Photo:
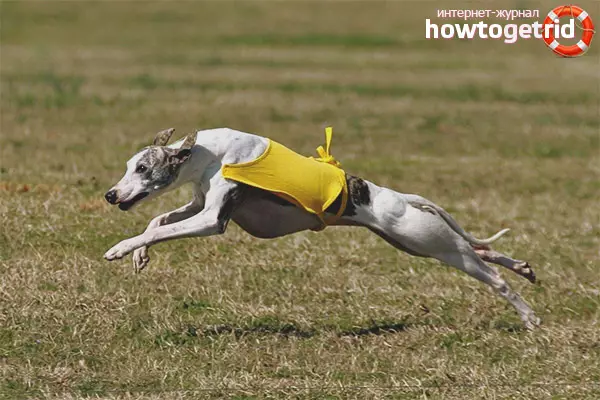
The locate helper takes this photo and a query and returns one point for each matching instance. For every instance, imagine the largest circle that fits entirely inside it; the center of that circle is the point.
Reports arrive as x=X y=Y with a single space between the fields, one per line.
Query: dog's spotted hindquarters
x=408 y=222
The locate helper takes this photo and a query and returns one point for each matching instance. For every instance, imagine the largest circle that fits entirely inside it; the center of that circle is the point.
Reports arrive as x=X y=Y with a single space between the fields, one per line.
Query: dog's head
x=151 y=171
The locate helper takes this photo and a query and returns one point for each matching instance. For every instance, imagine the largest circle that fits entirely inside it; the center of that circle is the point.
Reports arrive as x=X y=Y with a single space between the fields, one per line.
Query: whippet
x=408 y=222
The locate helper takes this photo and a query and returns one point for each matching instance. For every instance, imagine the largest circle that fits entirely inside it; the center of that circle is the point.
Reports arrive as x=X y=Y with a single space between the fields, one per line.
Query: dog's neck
x=215 y=147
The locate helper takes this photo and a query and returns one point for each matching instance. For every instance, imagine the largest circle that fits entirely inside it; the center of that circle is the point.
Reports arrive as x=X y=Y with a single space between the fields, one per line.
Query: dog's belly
x=264 y=215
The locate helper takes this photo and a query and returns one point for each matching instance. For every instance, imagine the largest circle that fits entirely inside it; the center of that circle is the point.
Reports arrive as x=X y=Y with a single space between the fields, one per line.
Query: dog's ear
x=182 y=154
x=162 y=137
x=189 y=142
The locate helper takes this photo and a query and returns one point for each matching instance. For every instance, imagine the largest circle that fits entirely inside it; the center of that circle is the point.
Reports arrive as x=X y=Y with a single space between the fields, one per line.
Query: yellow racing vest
x=310 y=183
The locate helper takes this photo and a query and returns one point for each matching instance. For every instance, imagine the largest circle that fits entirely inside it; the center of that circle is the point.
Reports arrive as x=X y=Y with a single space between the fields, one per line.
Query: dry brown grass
x=499 y=135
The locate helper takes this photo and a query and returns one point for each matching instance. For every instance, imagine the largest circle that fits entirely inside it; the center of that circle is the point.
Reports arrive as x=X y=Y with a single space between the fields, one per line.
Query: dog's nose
x=111 y=196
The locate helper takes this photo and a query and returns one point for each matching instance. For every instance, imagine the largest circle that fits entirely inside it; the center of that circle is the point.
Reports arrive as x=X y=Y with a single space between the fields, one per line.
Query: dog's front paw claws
x=117 y=252
x=140 y=259
x=112 y=255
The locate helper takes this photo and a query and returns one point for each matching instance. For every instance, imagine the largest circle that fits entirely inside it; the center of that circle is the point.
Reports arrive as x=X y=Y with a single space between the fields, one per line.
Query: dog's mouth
x=126 y=205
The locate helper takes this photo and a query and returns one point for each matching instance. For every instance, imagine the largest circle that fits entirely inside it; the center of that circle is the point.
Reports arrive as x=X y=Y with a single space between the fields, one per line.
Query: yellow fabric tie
x=326 y=157
x=324 y=154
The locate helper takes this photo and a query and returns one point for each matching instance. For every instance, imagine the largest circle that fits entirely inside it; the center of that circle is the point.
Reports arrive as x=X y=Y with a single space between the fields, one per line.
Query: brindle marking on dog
x=161 y=170
x=358 y=194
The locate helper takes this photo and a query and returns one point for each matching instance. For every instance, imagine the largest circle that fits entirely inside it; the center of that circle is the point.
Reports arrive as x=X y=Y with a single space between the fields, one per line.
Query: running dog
x=408 y=222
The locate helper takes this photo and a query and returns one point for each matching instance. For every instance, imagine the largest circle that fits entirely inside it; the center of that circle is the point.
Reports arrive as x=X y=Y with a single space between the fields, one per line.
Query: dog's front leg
x=203 y=224
x=220 y=201
x=140 y=256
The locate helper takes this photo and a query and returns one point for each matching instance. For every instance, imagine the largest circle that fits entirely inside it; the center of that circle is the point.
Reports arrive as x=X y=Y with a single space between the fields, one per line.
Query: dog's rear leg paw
x=524 y=269
x=140 y=259
x=531 y=321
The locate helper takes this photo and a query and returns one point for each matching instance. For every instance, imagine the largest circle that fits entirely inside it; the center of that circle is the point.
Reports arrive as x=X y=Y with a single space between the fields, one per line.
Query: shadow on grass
x=509 y=327
x=288 y=330
x=291 y=330
x=376 y=329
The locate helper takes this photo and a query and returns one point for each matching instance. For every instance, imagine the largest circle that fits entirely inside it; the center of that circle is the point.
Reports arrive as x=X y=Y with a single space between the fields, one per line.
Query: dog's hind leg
x=517 y=266
x=468 y=261
x=423 y=232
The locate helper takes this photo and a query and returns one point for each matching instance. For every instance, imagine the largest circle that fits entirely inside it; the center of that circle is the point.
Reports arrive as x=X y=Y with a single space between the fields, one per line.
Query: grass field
x=500 y=135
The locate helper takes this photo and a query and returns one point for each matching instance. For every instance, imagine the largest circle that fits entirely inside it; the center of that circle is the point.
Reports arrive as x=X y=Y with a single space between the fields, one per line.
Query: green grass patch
x=490 y=132
x=312 y=40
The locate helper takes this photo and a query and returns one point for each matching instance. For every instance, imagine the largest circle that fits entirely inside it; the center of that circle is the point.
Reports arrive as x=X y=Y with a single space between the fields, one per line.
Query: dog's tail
x=456 y=228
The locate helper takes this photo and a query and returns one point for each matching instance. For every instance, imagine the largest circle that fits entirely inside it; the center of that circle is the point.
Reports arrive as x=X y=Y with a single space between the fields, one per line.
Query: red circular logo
x=588 y=31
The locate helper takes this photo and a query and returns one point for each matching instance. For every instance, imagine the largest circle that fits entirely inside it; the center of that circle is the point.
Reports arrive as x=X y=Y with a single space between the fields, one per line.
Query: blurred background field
x=500 y=135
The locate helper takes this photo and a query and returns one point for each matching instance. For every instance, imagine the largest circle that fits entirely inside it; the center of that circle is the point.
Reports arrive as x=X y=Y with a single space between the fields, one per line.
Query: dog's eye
x=141 y=169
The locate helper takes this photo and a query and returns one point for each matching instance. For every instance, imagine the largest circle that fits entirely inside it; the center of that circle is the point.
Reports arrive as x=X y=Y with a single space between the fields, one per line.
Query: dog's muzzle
x=126 y=205
x=111 y=196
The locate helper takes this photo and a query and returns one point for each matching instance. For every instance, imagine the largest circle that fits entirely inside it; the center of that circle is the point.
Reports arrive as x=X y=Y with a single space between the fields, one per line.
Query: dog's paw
x=140 y=259
x=531 y=321
x=118 y=251
x=523 y=268
x=113 y=254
